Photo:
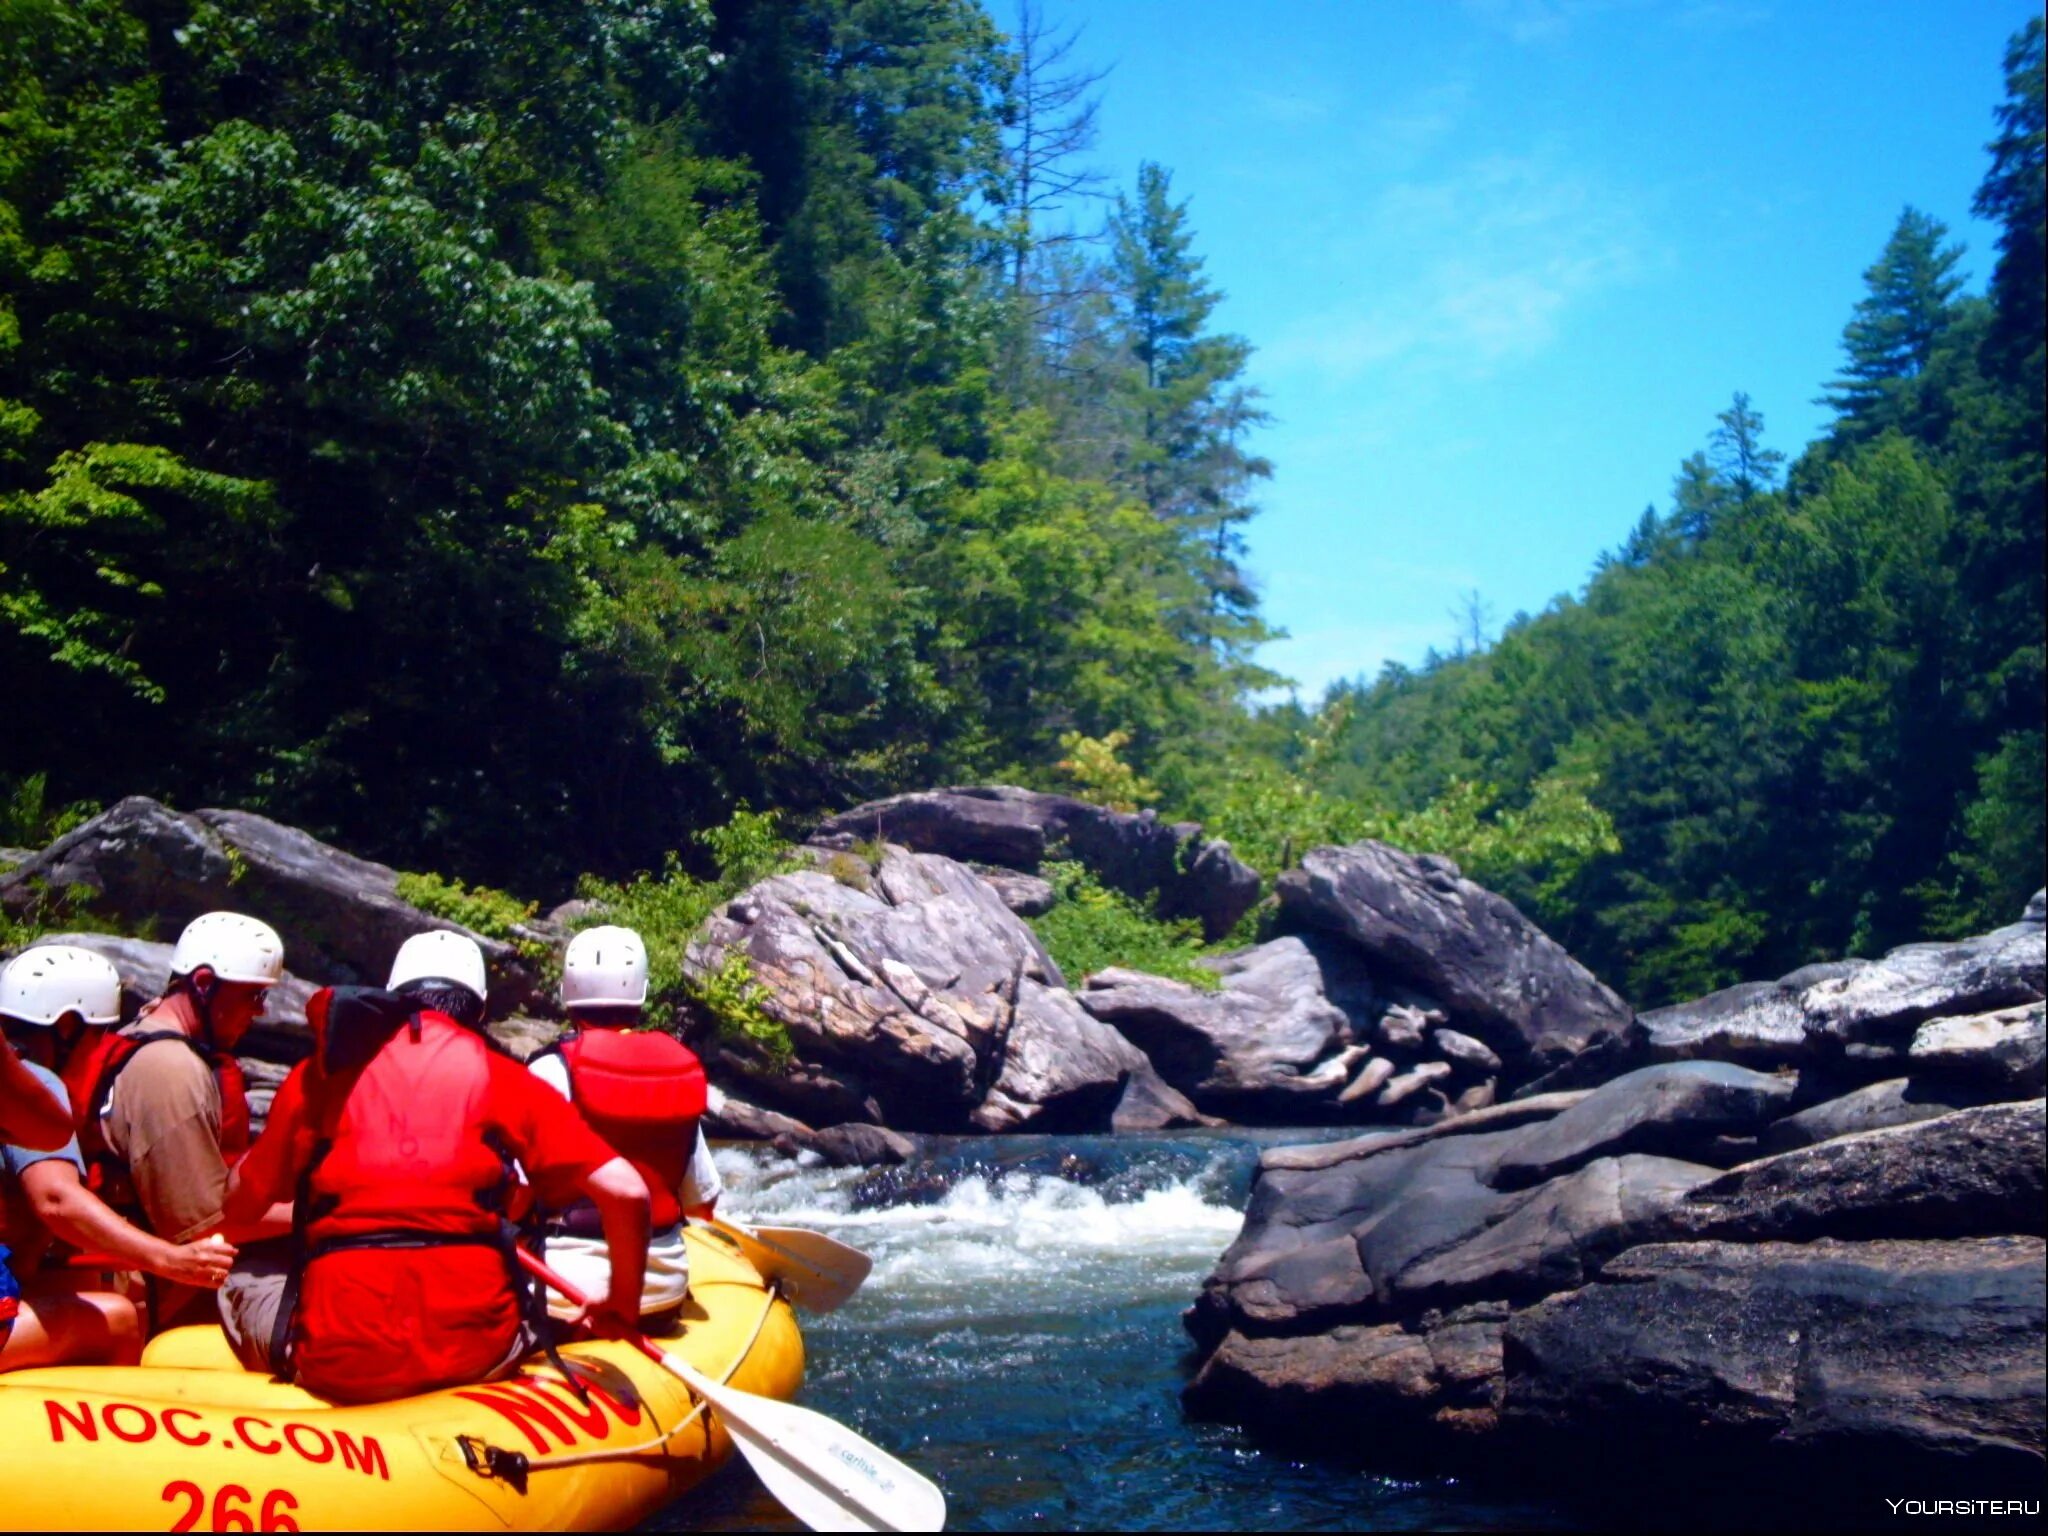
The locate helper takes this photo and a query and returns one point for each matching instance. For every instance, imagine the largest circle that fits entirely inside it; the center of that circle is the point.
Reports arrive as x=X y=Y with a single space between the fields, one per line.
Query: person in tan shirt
x=170 y=1111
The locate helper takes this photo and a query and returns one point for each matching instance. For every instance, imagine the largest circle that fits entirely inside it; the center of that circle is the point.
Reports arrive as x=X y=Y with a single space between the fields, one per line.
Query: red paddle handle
x=575 y=1297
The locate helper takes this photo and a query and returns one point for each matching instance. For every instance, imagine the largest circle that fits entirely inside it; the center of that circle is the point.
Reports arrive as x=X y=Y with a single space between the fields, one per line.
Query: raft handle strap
x=490 y=1461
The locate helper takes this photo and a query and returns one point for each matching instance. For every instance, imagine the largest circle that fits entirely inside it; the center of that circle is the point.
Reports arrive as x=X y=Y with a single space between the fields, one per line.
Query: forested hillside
x=506 y=436
x=506 y=439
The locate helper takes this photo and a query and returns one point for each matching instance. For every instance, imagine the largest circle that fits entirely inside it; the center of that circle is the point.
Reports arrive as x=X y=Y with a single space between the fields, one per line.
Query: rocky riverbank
x=1795 y=1226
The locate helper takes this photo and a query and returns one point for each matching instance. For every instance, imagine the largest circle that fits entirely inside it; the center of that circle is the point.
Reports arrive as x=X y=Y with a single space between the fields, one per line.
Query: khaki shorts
x=254 y=1291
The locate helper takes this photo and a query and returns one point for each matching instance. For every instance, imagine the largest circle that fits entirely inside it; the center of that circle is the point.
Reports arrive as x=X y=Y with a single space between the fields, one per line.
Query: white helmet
x=41 y=985
x=440 y=956
x=237 y=948
x=605 y=967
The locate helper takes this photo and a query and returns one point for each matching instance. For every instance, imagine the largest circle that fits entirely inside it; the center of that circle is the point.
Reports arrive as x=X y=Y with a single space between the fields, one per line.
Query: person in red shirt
x=402 y=1142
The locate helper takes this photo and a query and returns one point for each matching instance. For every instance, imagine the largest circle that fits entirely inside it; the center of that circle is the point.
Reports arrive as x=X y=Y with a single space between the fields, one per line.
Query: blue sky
x=1504 y=260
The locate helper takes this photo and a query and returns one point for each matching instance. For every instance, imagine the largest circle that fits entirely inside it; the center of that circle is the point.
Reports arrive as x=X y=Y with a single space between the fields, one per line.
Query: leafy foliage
x=1091 y=928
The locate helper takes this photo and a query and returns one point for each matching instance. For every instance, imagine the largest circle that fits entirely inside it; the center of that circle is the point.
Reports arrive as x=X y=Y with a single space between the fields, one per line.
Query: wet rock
x=1497 y=975
x=2005 y=1050
x=2037 y=908
x=1669 y=1110
x=1150 y=1103
x=1555 y=1239
x=1970 y=1173
x=341 y=917
x=1896 y=1101
x=1063 y=1071
x=1019 y=828
x=859 y=1146
x=1358 y=1387
x=1911 y=1356
x=730 y=1119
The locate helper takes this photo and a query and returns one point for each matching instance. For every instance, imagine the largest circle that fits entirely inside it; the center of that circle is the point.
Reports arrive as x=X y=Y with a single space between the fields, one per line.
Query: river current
x=1019 y=1342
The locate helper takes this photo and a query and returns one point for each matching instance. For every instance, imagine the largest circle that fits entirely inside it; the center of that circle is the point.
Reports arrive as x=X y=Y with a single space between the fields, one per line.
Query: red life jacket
x=407 y=1279
x=83 y=1069
x=105 y=1170
x=643 y=1092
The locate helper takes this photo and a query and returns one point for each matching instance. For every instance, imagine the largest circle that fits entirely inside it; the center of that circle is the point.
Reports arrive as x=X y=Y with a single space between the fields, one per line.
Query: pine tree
x=1739 y=454
x=1891 y=337
x=2012 y=195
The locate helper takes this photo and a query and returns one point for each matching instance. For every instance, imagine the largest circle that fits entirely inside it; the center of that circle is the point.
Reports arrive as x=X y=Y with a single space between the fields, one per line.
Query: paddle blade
x=815 y=1271
x=819 y=1470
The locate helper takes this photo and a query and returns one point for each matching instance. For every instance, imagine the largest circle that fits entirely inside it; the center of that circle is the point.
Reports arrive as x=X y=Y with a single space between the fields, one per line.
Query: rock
x=1881 y=1003
x=2004 y=1049
x=1328 y=1154
x=1265 y=1049
x=2037 y=908
x=1970 y=1173
x=1412 y=1082
x=1914 y=1357
x=1463 y=1051
x=1384 y=1388
x=1478 y=1096
x=1025 y=895
x=1390 y=1208
x=863 y=1050
x=1757 y=1024
x=523 y=1035
x=1898 y=1101
x=731 y=1119
x=1018 y=828
x=340 y=916
x=1369 y=1081
x=1669 y=1110
x=859 y=1146
x=1063 y=1071
x=1150 y=1103
x=1557 y=1238
x=9 y=857
x=1497 y=975
x=1403 y=1028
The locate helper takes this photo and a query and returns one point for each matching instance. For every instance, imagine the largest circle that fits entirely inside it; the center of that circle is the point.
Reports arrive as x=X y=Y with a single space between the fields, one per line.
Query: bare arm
x=62 y=1203
x=621 y=1197
x=30 y=1115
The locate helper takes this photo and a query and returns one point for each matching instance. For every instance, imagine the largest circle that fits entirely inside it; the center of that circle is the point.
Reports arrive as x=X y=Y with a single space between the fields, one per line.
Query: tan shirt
x=163 y=1121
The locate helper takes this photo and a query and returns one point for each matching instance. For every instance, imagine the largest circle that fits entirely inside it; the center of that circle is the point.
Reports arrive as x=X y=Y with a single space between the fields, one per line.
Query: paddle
x=819 y=1470
x=815 y=1271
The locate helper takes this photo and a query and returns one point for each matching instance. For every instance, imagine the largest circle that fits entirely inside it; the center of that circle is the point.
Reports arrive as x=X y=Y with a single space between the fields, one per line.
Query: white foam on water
x=1014 y=1228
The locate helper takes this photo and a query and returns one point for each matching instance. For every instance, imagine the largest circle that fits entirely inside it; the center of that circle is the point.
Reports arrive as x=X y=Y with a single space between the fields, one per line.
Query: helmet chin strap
x=202 y=1001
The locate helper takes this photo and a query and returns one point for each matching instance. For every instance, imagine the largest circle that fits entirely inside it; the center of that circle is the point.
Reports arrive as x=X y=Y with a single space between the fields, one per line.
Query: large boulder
x=1873 y=1107
x=1191 y=876
x=341 y=917
x=1915 y=1357
x=1970 y=1173
x=1418 y=921
x=916 y=1000
x=2005 y=1051
x=1274 y=1045
x=1678 y=1110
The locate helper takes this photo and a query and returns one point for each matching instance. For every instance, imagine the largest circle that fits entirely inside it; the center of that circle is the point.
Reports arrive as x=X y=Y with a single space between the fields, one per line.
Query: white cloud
x=1470 y=272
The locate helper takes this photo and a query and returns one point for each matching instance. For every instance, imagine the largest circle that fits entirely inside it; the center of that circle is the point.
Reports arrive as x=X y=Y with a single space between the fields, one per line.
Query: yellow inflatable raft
x=188 y=1441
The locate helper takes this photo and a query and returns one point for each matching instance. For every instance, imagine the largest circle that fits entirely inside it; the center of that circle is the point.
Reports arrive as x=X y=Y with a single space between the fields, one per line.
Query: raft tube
x=189 y=1441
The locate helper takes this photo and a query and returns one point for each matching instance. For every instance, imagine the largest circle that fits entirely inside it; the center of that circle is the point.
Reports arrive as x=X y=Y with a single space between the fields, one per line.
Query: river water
x=1019 y=1342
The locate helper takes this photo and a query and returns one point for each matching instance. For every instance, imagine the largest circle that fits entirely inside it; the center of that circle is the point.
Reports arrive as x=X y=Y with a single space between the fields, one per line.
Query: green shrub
x=667 y=909
x=28 y=820
x=1091 y=928
x=492 y=913
x=66 y=911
